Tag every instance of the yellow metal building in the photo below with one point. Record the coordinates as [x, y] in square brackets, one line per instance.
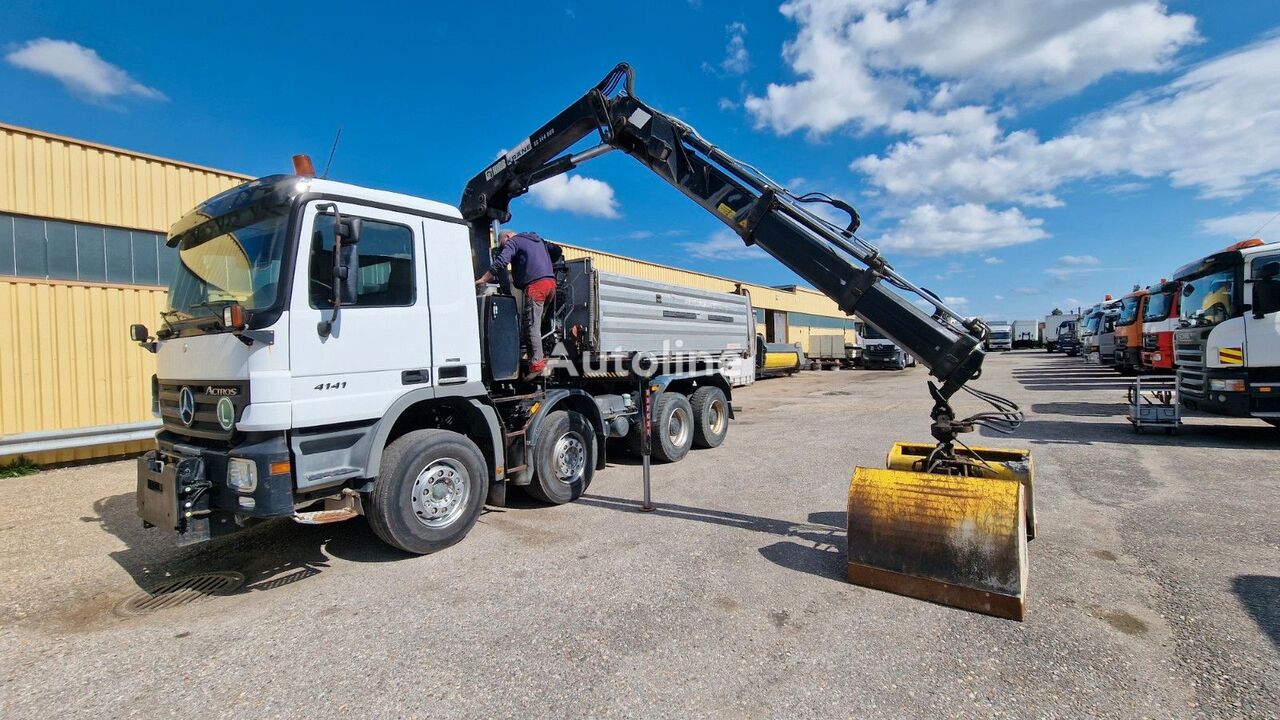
[82, 257]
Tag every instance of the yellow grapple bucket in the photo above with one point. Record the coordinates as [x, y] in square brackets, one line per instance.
[958, 541]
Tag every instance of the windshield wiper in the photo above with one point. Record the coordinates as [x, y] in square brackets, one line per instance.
[212, 304]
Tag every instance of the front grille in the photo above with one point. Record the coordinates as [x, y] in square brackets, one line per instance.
[207, 395]
[1150, 341]
[1122, 342]
[1190, 359]
[881, 350]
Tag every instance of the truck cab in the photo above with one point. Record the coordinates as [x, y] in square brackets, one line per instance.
[1128, 332]
[1159, 320]
[1000, 337]
[1105, 339]
[880, 353]
[1050, 328]
[1227, 344]
[325, 354]
[1067, 337]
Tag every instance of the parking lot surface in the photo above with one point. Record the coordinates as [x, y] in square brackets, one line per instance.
[1154, 587]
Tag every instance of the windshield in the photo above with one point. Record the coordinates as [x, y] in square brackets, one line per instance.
[1129, 310]
[871, 333]
[999, 334]
[1208, 300]
[1066, 327]
[1158, 306]
[223, 261]
[1091, 324]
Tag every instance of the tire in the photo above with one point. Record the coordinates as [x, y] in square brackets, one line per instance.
[673, 427]
[416, 468]
[564, 457]
[710, 416]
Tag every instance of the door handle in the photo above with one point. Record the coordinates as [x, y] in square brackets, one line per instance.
[415, 377]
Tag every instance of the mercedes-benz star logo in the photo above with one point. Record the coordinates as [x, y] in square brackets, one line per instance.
[186, 406]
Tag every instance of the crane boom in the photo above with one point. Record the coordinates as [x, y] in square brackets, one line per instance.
[834, 260]
[942, 524]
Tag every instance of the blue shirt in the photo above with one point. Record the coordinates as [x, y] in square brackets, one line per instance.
[529, 256]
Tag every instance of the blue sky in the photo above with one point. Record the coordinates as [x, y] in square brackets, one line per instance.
[1010, 155]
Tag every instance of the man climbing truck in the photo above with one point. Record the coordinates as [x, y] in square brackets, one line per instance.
[283, 396]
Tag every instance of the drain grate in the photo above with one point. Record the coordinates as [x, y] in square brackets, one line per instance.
[182, 591]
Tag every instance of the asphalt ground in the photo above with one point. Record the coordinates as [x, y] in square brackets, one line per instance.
[1154, 589]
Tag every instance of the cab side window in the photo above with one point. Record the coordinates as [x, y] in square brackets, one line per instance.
[1266, 285]
[385, 278]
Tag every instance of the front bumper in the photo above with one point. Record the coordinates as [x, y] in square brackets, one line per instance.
[1219, 402]
[183, 486]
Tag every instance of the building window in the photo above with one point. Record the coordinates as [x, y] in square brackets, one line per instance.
[56, 250]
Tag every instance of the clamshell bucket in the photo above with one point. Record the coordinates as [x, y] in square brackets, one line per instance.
[954, 540]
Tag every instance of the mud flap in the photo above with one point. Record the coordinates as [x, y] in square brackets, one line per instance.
[957, 541]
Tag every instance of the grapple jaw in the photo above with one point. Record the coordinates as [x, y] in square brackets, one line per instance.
[958, 540]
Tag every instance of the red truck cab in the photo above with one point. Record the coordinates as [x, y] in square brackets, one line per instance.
[1159, 320]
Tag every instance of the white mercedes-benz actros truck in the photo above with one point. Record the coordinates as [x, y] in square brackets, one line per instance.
[320, 336]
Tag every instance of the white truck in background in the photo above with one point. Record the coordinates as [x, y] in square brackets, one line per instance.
[1026, 334]
[1052, 326]
[1001, 336]
[880, 353]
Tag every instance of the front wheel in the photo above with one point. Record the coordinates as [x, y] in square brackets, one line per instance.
[564, 458]
[430, 491]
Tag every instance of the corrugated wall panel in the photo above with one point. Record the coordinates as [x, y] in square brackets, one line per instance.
[72, 363]
[64, 179]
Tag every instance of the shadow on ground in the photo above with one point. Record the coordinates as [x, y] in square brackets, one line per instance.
[815, 547]
[270, 555]
[1120, 432]
[1260, 596]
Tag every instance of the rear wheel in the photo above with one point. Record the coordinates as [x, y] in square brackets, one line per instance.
[564, 458]
[430, 491]
[710, 416]
[673, 427]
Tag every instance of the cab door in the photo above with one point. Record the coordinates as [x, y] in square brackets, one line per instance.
[1262, 334]
[378, 348]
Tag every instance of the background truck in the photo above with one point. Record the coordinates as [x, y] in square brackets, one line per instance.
[831, 351]
[1227, 344]
[1128, 332]
[1026, 334]
[1159, 320]
[1001, 336]
[1105, 340]
[1051, 325]
[1068, 337]
[881, 353]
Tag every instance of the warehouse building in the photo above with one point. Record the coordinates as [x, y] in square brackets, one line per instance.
[82, 257]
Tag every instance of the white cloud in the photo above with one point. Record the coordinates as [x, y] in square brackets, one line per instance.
[723, 245]
[640, 235]
[955, 301]
[80, 70]
[727, 105]
[1071, 303]
[1240, 226]
[997, 297]
[1215, 128]
[575, 194]
[1026, 291]
[1079, 260]
[737, 60]
[930, 230]
[864, 61]
[992, 260]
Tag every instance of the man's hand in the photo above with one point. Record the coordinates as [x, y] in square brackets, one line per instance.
[484, 279]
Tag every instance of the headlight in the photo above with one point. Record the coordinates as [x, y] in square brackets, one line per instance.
[242, 475]
[1227, 385]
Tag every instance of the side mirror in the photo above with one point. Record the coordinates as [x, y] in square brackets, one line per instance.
[139, 333]
[346, 264]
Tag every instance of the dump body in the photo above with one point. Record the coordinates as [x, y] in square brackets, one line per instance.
[617, 316]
